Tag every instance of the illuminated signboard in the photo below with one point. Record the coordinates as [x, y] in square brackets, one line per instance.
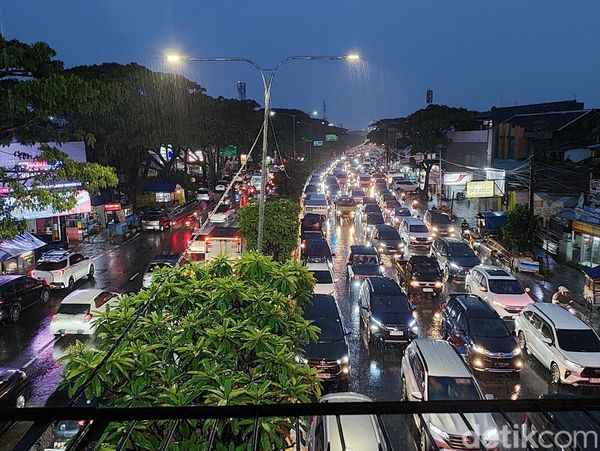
[317, 143]
[112, 207]
[83, 205]
[481, 188]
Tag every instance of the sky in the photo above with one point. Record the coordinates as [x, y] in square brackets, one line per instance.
[474, 54]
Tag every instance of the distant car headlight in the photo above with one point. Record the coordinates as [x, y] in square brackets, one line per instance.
[439, 284]
[573, 366]
[516, 351]
[380, 248]
[412, 237]
[451, 229]
[300, 359]
[435, 229]
[414, 283]
[344, 360]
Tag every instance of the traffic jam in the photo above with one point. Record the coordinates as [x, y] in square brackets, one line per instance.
[411, 309]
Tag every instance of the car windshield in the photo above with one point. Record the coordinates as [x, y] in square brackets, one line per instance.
[346, 202]
[451, 388]
[73, 309]
[51, 266]
[375, 218]
[331, 330]
[460, 250]
[426, 267]
[440, 219]
[419, 228]
[578, 340]
[322, 276]
[157, 265]
[391, 234]
[507, 286]
[365, 260]
[390, 304]
[492, 328]
[372, 208]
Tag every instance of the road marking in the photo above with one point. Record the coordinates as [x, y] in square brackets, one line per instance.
[42, 349]
[134, 276]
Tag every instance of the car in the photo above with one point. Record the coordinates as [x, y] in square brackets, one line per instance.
[499, 288]
[386, 315]
[431, 370]
[406, 186]
[385, 197]
[77, 313]
[345, 207]
[156, 220]
[317, 251]
[367, 209]
[18, 293]
[561, 342]
[414, 232]
[455, 257]
[363, 262]
[221, 186]
[324, 276]
[399, 214]
[329, 354]
[389, 206]
[478, 333]
[316, 204]
[386, 240]
[311, 189]
[439, 223]
[364, 181]
[14, 388]
[346, 432]
[372, 220]
[358, 195]
[224, 213]
[203, 194]
[61, 269]
[420, 273]
[164, 260]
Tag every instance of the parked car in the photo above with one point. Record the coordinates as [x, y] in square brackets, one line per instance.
[414, 232]
[386, 316]
[323, 274]
[356, 432]
[329, 355]
[317, 251]
[363, 263]
[432, 371]
[224, 213]
[164, 260]
[14, 388]
[399, 214]
[476, 331]
[439, 223]
[156, 220]
[498, 288]
[561, 342]
[18, 293]
[420, 273]
[77, 312]
[61, 269]
[455, 257]
[386, 240]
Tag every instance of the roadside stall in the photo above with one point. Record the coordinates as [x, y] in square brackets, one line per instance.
[17, 256]
[591, 286]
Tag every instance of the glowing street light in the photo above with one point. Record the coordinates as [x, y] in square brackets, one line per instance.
[315, 113]
[353, 57]
[174, 58]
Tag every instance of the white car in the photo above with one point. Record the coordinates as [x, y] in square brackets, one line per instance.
[431, 370]
[203, 194]
[498, 288]
[406, 185]
[61, 268]
[563, 343]
[414, 232]
[77, 313]
[223, 214]
[324, 276]
[221, 186]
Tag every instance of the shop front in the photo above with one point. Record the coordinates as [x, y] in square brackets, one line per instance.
[455, 184]
[586, 243]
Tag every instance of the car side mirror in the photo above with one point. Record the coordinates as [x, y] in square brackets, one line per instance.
[483, 289]
[548, 341]
[413, 306]
[417, 395]
[527, 290]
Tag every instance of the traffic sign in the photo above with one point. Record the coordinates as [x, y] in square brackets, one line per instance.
[227, 152]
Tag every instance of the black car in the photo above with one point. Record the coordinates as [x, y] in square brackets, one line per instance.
[439, 223]
[420, 273]
[329, 354]
[478, 333]
[386, 315]
[386, 240]
[14, 391]
[455, 257]
[368, 209]
[18, 293]
[363, 263]
[373, 219]
[399, 213]
[369, 200]
[317, 251]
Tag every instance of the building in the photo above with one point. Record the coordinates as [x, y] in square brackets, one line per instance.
[161, 194]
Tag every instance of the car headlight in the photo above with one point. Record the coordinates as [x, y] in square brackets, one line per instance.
[435, 229]
[454, 266]
[300, 359]
[414, 283]
[479, 349]
[412, 323]
[381, 268]
[429, 238]
[573, 366]
[451, 229]
[516, 351]
[439, 284]
[437, 431]
[344, 360]
[412, 237]
[380, 248]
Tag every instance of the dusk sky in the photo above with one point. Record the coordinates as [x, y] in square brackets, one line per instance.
[471, 53]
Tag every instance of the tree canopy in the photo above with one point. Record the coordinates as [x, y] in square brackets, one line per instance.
[222, 334]
[520, 229]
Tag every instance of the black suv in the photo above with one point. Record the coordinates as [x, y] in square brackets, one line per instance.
[386, 240]
[18, 293]
[14, 391]
[329, 354]
[386, 315]
[420, 273]
[455, 257]
[478, 333]
[317, 251]
[362, 263]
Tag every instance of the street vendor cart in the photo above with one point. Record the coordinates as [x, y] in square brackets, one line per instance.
[591, 286]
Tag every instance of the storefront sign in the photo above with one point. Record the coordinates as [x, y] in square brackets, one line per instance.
[585, 228]
[594, 197]
[457, 178]
[83, 205]
[112, 207]
[482, 188]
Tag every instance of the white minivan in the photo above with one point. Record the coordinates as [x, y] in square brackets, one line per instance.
[414, 232]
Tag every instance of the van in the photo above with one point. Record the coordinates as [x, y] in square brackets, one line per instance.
[316, 204]
[414, 232]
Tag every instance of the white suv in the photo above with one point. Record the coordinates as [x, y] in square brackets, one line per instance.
[414, 232]
[432, 371]
[61, 269]
[324, 276]
[498, 288]
[561, 342]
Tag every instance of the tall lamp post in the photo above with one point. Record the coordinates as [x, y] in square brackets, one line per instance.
[267, 83]
[293, 116]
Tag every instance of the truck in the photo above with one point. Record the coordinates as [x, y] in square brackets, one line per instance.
[207, 243]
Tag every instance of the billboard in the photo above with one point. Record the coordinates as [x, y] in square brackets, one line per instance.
[481, 188]
[457, 178]
[83, 205]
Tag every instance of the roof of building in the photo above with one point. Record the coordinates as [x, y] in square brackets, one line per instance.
[441, 359]
[547, 121]
[500, 114]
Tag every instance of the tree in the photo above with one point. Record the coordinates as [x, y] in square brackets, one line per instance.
[281, 227]
[427, 132]
[224, 334]
[520, 229]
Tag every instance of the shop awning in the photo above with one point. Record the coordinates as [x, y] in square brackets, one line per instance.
[22, 243]
[593, 273]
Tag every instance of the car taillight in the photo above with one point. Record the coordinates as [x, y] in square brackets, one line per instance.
[81, 423]
[53, 317]
[87, 317]
[444, 306]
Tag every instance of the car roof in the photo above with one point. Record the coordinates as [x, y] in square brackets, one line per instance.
[411, 220]
[166, 257]
[322, 306]
[384, 285]
[55, 255]
[494, 272]
[82, 296]
[385, 228]
[345, 397]
[452, 240]
[560, 317]
[474, 305]
[4, 279]
[361, 249]
[441, 359]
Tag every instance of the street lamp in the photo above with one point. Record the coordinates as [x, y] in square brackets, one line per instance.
[267, 83]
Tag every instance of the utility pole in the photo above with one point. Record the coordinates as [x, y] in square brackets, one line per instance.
[440, 177]
[531, 186]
